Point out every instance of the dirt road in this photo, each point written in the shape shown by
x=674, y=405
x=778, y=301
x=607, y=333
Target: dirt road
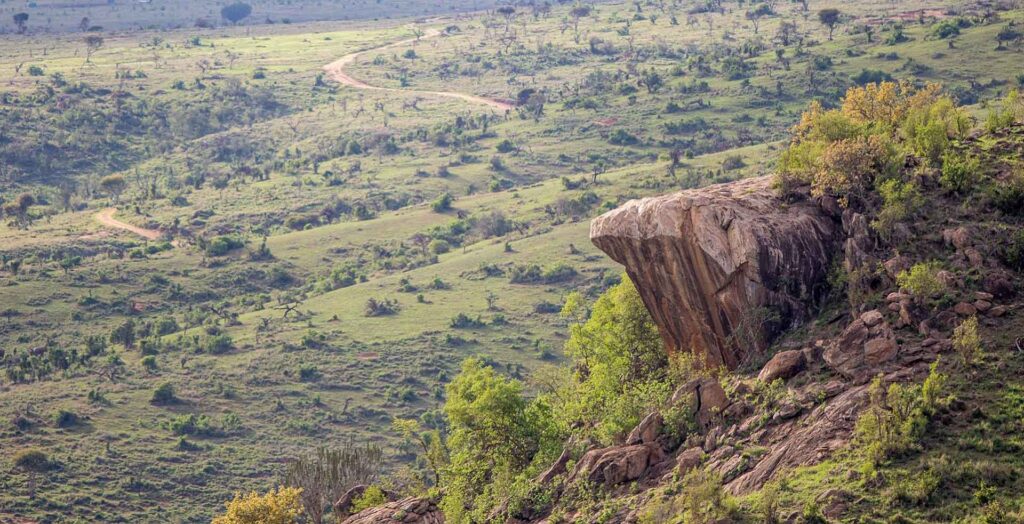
x=336, y=71
x=106, y=217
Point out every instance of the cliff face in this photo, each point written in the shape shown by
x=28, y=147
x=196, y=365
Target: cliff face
x=722, y=269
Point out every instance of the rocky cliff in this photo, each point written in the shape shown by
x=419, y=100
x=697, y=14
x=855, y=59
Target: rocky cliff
x=722, y=269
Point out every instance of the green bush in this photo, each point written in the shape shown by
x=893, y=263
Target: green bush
x=222, y=245
x=371, y=498
x=464, y=321
x=65, y=419
x=966, y=340
x=900, y=201
x=191, y=424
x=1013, y=252
x=1008, y=196
x=164, y=394
x=922, y=280
x=217, y=344
x=442, y=203
x=960, y=173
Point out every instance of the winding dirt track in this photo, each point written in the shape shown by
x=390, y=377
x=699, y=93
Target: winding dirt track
x=336, y=71
x=106, y=217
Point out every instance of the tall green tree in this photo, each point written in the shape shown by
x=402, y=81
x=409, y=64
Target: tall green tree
x=496, y=433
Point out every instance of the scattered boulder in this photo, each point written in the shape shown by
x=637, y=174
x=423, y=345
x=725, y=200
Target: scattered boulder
x=959, y=238
x=617, y=464
x=860, y=349
x=784, y=365
x=964, y=309
x=647, y=431
x=703, y=260
x=412, y=510
x=708, y=399
x=688, y=460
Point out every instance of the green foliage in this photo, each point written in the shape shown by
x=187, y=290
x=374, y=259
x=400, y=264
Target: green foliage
x=922, y=280
x=442, y=203
x=495, y=434
x=1008, y=196
x=901, y=201
x=223, y=245
x=371, y=498
x=960, y=173
x=66, y=419
x=895, y=419
x=966, y=340
x=1009, y=111
x=1013, y=252
x=620, y=366
x=164, y=394
x=701, y=499
x=32, y=460
x=534, y=274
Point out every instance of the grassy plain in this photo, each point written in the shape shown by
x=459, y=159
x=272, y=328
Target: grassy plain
x=122, y=462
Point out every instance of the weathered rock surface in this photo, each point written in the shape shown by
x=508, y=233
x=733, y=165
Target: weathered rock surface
x=709, y=263
x=412, y=510
x=784, y=365
x=616, y=464
x=864, y=345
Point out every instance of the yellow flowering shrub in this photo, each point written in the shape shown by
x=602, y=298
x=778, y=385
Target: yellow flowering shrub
x=275, y=507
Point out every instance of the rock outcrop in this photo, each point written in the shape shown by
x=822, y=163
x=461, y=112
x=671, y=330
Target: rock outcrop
x=412, y=510
x=722, y=269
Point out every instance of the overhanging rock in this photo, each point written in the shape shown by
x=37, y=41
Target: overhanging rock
x=724, y=268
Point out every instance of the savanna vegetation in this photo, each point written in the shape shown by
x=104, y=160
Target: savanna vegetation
x=295, y=267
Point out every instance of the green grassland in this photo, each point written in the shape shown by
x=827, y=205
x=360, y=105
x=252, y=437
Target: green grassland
x=54, y=16
x=326, y=372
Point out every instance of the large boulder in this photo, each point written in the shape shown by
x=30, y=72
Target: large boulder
x=412, y=510
x=722, y=269
x=784, y=365
x=616, y=464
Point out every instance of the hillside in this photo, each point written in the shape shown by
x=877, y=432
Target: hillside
x=336, y=238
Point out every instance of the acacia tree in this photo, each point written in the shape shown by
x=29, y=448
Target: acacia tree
x=114, y=185
x=830, y=19
x=236, y=12
x=21, y=22
x=92, y=44
x=33, y=462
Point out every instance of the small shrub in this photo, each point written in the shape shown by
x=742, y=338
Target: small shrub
x=442, y=203
x=149, y=362
x=922, y=280
x=371, y=498
x=1008, y=197
x=276, y=507
x=379, y=308
x=733, y=162
x=217, y=344
x=960, y=173
x=892, y=424
x=1013, y=252
x=966, y=340
x=309, y=373
x=66, y=419
x=901, y=201
x=464, y=321
x=222, y=245
x=439, y=246
x=164, y=394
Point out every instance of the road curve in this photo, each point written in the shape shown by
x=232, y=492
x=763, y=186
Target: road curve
x=106, y=217
x=336, y=71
